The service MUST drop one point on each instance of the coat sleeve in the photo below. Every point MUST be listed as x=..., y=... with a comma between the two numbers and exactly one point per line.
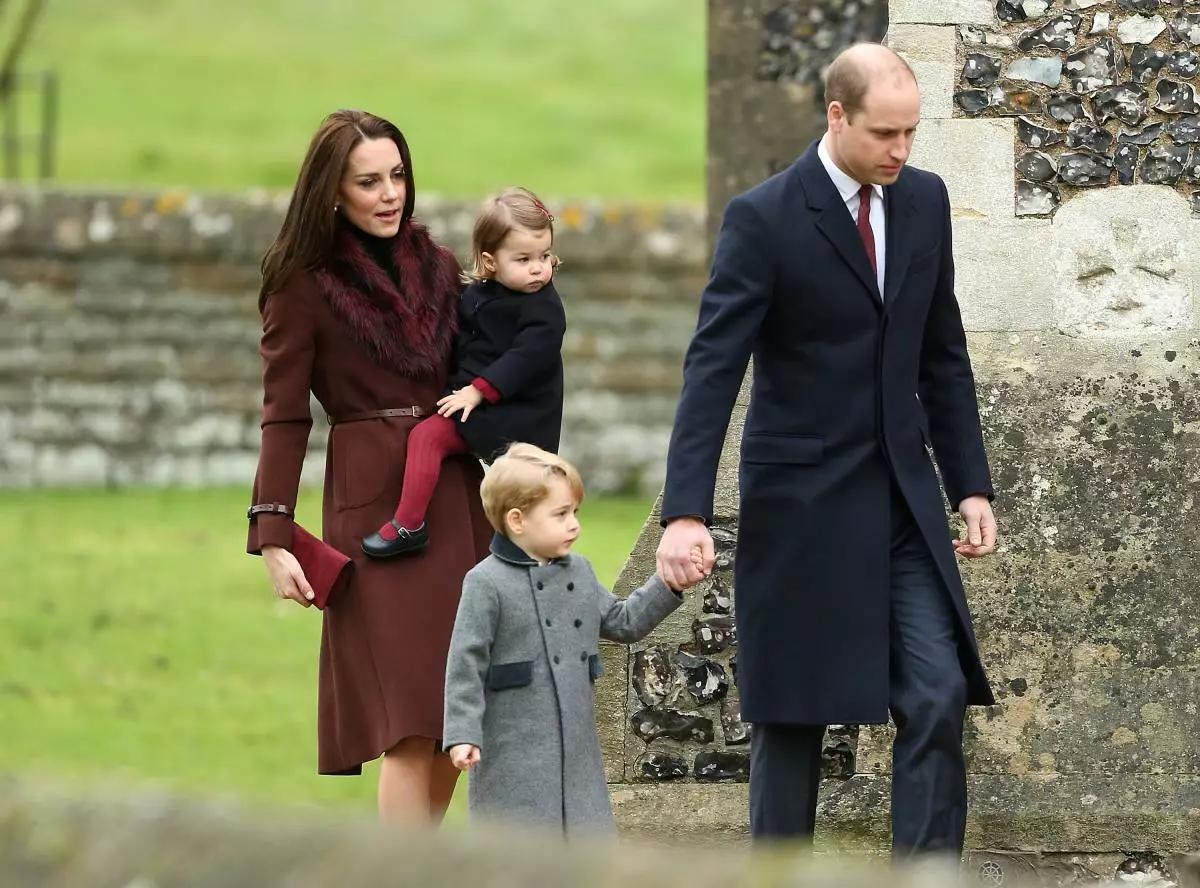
x=468, y=661
x=946, y=385
x=732, y=309
x=635, y=617
x=536, y=346
x=287, y=347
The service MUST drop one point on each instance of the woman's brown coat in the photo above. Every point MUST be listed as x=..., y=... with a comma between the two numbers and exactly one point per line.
x=348, y=335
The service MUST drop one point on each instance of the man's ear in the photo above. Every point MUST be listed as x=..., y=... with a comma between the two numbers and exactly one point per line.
x=836, y=117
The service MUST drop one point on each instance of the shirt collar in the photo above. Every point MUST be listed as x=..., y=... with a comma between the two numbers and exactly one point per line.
x=506, y=550
x=846, y=186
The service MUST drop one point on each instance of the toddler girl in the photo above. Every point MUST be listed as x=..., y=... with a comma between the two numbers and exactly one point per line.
x=508, y=381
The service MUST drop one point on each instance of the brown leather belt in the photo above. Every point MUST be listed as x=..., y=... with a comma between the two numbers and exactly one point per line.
x=415, y=412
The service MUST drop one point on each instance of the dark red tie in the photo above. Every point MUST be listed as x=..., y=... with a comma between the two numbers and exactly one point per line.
x=864, y=224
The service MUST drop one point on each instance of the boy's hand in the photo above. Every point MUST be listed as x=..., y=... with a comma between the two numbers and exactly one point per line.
x=464, y=756
x=465, y=399
x=697, y=562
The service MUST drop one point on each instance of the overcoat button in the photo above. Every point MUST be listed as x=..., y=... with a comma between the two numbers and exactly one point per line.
x=556, y=659
x=578, y=623
x=583, y=657
x=547, y=621
x=570, y=587
x=539, y=584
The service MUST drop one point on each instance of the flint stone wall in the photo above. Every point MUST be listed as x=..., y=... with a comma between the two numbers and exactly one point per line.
x=1082, y=329
x=1103, y=92
x=129, y=334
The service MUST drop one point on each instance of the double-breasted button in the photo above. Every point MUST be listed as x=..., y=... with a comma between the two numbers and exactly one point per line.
x=547, y=621
x=583, y=657
x=539, y=586
x=556, y=661
x=578, y=623
x=570, y=587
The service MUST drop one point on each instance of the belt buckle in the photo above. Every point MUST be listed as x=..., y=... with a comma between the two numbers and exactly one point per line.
x=419, y=412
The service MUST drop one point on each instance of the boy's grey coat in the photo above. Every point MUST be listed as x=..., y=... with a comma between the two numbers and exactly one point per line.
x=523, y=657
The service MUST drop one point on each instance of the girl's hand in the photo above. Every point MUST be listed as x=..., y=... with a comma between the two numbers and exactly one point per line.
x=465, y=399
x=287, y=576
x=465, y=756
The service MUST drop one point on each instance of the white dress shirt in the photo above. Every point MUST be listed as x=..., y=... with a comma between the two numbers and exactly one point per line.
x=849, y=189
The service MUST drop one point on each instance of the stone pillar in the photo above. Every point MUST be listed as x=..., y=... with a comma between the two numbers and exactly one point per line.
x=1068, y=141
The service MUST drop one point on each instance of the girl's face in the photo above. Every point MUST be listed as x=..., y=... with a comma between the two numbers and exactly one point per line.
x=523, y=261
x=372, y=191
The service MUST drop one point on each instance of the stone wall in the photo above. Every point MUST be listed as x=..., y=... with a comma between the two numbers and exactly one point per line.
x=1083, y=331
x=129, y=332
x=1104, y=92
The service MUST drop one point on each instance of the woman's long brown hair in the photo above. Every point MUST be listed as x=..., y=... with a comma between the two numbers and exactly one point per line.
x=306, y=238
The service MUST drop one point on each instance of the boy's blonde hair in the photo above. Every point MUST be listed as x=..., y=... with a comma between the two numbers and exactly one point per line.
x=520, y=479
x=497, y=217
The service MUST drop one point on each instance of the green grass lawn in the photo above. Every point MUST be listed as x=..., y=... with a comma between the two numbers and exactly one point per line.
x=570, y=99
x=138, y=645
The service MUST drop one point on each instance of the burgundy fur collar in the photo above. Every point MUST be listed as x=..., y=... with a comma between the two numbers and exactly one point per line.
x=410, y=330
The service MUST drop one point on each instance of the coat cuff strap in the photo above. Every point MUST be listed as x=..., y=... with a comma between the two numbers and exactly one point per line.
x=270, y=508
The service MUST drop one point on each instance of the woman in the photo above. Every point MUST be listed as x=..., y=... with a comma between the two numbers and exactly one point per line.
x=359, y=307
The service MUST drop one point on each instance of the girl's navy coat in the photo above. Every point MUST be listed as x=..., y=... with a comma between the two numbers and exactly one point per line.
x=514, y=341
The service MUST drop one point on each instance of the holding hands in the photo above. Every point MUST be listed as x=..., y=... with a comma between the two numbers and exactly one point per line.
x=685, y=554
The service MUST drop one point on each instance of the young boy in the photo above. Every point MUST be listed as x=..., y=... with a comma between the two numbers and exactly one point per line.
x=525, y=653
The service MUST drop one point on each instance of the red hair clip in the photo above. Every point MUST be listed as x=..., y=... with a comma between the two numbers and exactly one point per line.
x=541, y=206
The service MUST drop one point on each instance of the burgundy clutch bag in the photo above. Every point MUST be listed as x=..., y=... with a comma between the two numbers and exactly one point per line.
x=327, y=569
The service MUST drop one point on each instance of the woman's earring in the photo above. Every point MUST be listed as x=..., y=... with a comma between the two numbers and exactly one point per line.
x=336, y=207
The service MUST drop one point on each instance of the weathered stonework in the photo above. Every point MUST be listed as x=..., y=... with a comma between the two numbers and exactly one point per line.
x=129, y=334
x=1082, y=327
x=1105, y=91
x=801, y=38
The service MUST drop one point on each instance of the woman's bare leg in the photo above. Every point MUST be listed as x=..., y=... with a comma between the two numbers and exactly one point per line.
x=443, y=777
x=405, y=782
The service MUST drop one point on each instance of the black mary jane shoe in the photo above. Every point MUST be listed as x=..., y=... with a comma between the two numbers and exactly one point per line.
x=407, y=542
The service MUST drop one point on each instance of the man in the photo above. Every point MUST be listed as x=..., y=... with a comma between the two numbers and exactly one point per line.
x=837, y=275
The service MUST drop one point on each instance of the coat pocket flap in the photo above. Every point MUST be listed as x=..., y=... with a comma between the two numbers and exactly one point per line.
x=595, y=667
x=502, y=676
x=799, y=450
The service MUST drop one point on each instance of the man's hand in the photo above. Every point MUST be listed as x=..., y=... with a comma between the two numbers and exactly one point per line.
x=465, y=399
x=685, y=554
x=976, y=512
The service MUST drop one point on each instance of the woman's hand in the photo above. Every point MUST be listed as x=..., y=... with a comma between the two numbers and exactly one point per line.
x=286, y=575
x=465, y=399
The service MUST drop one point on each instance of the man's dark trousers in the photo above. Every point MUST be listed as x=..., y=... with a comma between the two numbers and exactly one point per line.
x=927, y=698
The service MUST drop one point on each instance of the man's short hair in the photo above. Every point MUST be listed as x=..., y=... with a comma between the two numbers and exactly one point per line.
x=847, y=79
